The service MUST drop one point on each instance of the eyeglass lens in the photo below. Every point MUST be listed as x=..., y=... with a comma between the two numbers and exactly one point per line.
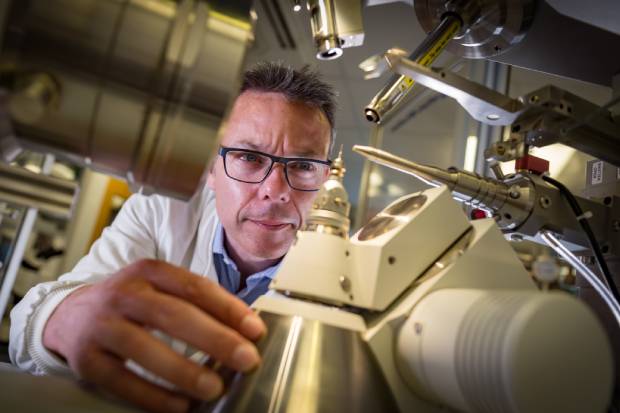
x=253, y=168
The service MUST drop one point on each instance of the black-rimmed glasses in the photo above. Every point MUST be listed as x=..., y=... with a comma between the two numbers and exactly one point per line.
x=253, y=167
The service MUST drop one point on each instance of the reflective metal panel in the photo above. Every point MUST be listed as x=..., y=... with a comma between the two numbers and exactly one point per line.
x=139, y=87
x=394, y=216
x=308, y=367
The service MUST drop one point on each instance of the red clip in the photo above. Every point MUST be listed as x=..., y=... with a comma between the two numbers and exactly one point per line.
x=533, y=164
x=477, y=213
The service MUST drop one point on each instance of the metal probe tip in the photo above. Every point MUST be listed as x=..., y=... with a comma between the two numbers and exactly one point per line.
x=427, y=174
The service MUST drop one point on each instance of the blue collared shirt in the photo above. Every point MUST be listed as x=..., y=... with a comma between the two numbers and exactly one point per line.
x=229, y=276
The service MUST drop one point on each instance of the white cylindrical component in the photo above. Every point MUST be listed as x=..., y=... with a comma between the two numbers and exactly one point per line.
x=506, y=351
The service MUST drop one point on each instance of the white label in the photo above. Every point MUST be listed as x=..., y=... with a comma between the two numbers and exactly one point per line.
x=597, y=172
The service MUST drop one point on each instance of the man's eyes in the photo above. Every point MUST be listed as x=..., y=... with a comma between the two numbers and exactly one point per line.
x=303, y=166
x=250, y=157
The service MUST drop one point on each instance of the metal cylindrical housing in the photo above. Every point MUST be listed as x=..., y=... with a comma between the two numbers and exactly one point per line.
x=323, y=25
x=491, y=27
x=506, y=351
x=386, y=101
x=143, y=85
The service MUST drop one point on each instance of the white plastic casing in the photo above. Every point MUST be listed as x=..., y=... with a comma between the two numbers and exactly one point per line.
x=374, y=267
x=506, y=351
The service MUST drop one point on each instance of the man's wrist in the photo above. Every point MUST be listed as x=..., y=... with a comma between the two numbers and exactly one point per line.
x=48, y=358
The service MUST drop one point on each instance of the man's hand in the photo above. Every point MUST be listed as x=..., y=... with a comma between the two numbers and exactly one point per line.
x=98, y=327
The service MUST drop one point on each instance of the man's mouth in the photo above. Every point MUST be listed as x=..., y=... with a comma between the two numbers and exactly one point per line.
x=271, y=225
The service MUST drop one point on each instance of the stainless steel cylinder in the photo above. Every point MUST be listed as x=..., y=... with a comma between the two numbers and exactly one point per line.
x=143, y=85
x=323, y=25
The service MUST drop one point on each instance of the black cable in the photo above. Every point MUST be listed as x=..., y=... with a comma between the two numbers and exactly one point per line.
x=583, y=221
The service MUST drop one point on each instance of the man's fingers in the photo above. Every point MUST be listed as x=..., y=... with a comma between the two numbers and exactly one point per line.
x=204, y=294
x=110, y=373
x=129, y=341
x=187, y=322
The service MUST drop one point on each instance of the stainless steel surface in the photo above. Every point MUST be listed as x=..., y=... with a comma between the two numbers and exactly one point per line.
x=144, y=84
x=493, y=27
x=308, y=367
x=23, y=392
x=392, y=217
x=482, y=103
x=48, y=194
x=564, y=46
x=392, y=94
x=33, y=95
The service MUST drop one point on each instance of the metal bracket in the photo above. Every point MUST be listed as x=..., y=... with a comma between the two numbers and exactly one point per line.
x=482, y=103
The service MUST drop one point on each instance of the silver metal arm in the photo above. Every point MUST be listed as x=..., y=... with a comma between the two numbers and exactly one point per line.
x=543, y=117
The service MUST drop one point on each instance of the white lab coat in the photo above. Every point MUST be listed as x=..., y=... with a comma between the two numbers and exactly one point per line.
x=146, y=227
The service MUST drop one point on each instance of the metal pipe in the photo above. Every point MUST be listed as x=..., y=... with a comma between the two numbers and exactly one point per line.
x=393, y=93
x=590, y=277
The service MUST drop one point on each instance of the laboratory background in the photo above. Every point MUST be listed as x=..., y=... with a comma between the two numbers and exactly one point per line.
x=469, y=231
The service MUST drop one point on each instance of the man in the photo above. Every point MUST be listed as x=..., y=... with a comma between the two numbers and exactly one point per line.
x=155, y=271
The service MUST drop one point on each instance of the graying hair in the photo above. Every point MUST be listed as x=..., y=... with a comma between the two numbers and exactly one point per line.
x=303, y=85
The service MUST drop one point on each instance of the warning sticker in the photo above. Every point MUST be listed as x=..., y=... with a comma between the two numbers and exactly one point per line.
x=597, y=173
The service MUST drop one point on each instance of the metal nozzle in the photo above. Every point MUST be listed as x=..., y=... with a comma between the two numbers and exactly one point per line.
x=429, y=174
x=466, y=187
x=329, y=49
x=371, y=115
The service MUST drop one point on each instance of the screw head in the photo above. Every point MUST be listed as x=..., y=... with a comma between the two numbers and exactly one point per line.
x=516, y=237
x=345, y=283
x=545, y=202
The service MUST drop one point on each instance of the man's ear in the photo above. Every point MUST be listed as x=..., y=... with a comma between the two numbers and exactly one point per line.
x=211, y=175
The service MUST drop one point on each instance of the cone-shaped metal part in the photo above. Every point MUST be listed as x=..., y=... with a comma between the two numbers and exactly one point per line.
x=307, y=366
x=466, y=186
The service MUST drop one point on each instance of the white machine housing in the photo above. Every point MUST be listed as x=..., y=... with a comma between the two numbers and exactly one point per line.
x=380, y=261
x=458, y=325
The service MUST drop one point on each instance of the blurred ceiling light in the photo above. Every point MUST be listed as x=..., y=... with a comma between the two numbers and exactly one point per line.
x=471, y=148
x=395, y=190
x=374, y=184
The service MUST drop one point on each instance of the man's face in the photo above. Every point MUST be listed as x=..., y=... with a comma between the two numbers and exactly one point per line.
x=260, y=220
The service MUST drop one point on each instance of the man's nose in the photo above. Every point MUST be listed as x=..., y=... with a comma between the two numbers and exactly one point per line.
x=275, y=186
